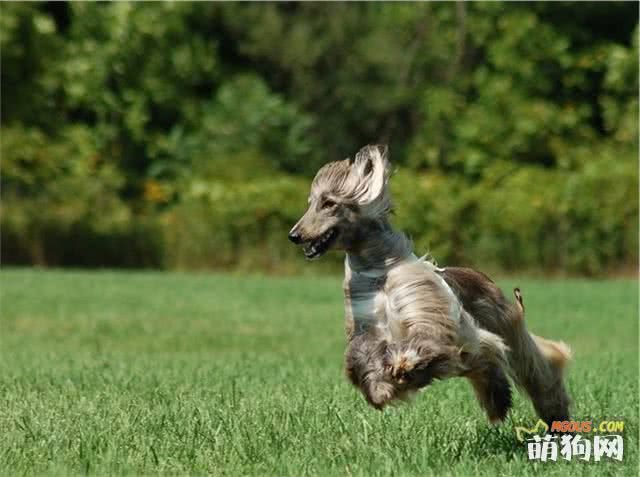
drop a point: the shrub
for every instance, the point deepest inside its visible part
(61, 205)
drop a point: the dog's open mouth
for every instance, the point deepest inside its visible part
(319, 246)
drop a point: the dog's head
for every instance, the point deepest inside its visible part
(346, 198)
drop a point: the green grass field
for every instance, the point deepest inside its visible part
(146, 373)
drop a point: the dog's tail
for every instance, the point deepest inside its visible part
(557, 353)
(537, 365)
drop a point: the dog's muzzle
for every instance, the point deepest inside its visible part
(315, 248)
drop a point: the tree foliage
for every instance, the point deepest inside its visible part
(113, 114)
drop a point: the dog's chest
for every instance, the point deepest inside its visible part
(390, 303)
(368, 306)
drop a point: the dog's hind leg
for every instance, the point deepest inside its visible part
(484, 356)
(538, 366)
(493, 390)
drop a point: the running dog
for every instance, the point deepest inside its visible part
(409, 322)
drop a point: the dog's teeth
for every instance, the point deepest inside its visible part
(320, 245)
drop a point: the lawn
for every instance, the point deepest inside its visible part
(146, 373)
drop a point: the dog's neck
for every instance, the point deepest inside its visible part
(379, 249)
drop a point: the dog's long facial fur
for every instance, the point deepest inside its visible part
(408, 322)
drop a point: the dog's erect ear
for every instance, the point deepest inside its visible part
(372, 169)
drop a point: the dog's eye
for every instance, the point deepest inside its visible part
(327, 204)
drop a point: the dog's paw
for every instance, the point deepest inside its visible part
(380, 394)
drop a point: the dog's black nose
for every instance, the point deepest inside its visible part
(295, 237)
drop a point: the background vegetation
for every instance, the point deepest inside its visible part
(184, 135)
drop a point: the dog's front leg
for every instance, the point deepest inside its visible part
(366, 366)
(419, 360)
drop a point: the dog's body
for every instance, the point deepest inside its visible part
(409, 322)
